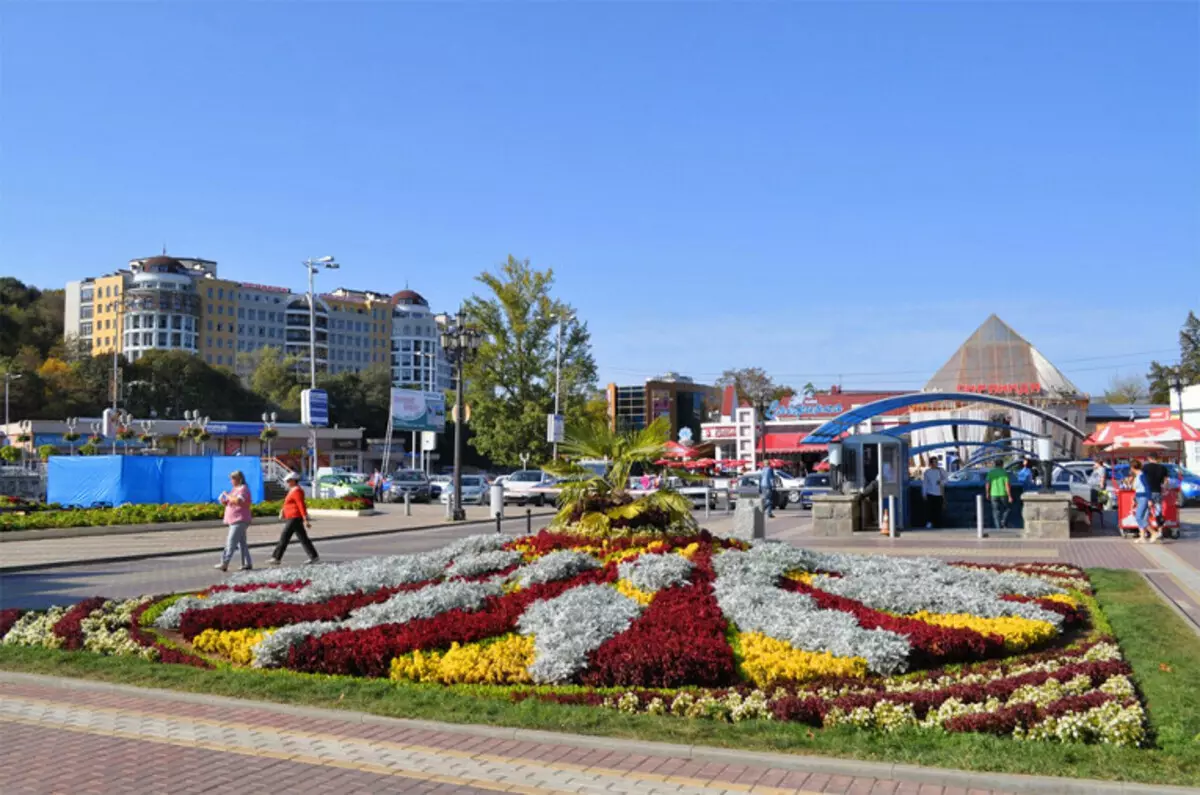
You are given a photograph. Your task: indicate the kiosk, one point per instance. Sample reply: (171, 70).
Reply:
(876, 465)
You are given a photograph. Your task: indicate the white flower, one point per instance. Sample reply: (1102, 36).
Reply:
(568, 627)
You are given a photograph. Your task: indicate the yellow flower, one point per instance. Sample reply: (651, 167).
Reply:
(690, 550)
(1066, 599)
(497, 661)
(627, 588)
(236, 645)
(805, 577)
(1018, 633)
(766, 662)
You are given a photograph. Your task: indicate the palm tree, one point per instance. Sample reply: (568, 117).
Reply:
(602, 504)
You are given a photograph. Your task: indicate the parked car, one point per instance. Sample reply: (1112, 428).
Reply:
(814, 484)
(411, 482)
(343, 486)
(521, 487)
(475, 490)
(748, 486)
(792, 485)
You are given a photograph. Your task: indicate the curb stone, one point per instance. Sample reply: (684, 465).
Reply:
(966, 779)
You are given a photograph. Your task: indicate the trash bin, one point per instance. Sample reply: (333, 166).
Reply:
(497, 500)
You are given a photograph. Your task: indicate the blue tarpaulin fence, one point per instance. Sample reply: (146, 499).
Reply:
(118, 479)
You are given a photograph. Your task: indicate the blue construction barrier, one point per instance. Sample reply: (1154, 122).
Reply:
(118, 479)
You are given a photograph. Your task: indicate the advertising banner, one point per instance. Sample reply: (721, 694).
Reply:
(414, 410)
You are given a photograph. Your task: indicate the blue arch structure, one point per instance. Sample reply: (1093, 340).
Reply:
(901, 430)
(928, 448)
(830, 431)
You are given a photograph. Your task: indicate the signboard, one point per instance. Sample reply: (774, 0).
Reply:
(710, 432)
(428, 441)
(789, 407)
(314, 407)
(345, 444)
(1001, 389)
(414, 410)
(554, 428)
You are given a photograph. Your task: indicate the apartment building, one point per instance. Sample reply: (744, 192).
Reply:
(171, 303)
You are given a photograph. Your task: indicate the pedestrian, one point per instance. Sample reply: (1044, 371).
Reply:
(766, 487)
(237, 516)
(1156, 475)
(1098, 482)
(1000, 493)
(377, 485)
(1141, 502)
(932, 483)
(295, 515)
(1026, 477)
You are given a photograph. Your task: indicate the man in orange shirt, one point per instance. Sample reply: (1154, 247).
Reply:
(295, 513)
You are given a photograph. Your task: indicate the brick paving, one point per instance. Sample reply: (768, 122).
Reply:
(78, 737)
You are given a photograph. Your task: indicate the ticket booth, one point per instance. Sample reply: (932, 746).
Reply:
(877, 466)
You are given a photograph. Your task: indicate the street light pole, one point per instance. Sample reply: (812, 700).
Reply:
(562, 316)
(458, 341)
(313, 265)
(9, 378)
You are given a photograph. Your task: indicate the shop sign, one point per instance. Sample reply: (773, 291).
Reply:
(345, 444)
(709, 432)
(783, 409)
(1001, 389)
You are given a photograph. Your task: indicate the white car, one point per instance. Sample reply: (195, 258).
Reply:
(789, 483)
(520, 486)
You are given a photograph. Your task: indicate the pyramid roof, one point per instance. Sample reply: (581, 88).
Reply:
(998, 360)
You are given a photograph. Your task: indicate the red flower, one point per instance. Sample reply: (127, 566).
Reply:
(166, 654)
(70, 628)
(8, 618)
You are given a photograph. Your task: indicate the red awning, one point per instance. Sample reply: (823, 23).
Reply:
(792, 443)
(1164, 430)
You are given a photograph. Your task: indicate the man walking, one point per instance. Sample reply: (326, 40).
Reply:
(766, 487)
(1156, 475)
(931, 488)
(1000, 493)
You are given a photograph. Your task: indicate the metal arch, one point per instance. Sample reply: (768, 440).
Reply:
(901, 430)
(925, 448)
(830, 431)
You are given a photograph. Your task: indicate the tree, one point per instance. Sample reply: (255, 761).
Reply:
(510, 382)
(360, 400)
(29, 317)
(753, 385)
(168, 383)
(1188, 367)
(1126, 389)
(273, 378)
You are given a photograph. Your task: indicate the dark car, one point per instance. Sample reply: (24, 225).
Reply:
(814, 484)
(410, 482)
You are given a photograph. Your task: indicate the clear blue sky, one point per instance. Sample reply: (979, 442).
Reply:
(816, 188)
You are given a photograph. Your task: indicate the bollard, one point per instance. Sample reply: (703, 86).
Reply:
(729, 501)
(893, 530)
(979, 517)
(449, 507)
(498, 519)
(528, 521)
(407, 505)
(707, 501)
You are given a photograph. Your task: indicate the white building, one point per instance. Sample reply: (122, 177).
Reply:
(1191, 415)
(417, 357)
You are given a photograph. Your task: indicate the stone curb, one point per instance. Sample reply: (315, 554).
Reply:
(257, 545)
(157, 527)
(966, 779)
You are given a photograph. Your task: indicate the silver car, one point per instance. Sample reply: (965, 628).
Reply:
(475, 490)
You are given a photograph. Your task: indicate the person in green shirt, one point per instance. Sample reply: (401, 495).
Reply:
(1000, 493)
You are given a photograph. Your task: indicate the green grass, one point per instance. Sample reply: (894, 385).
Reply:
(1151, 636)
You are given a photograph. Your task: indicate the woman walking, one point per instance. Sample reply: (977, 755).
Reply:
(295, 513)
(1141, 500)
(237, 516)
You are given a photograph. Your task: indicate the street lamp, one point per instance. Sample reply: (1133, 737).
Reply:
(459, 342)
(432, 357)
(268, 432)
(1177, 385)
(70, 435)
(562, 318)
(8, 378)
(313, 265)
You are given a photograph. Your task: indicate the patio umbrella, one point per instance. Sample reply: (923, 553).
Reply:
(822, 466)
(777, 462)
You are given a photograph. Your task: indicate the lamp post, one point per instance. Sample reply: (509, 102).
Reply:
(562, 318)
(432, 358)
(1177, 385)
(459, 341)
(147, 428)
(268, 419)
(8, 379)
(70, 435)
(313, 265)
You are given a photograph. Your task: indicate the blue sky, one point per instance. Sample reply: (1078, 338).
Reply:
(814, 188)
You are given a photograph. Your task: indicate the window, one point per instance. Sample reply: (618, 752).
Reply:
(210, 325)
(220, 310)
(221, 293)
(220, 342)
(208, 356)
(210, 295)
(262, 332)
(220, 359)
(162, 339)
(176, 340)
(147, 339)
(162, 321)
(241, 312)
(270, 332)
(262, 314)
(256, 297)
(209, 342)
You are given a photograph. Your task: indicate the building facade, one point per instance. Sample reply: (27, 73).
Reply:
(683, 402)
(173, 303)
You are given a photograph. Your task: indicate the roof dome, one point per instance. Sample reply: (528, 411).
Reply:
(162, 263)
(409, 297)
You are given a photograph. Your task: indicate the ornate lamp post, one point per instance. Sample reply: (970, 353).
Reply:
(460, 342)
(268, 431)
(147, 436)
(70, 437)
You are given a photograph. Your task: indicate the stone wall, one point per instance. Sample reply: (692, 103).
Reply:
(836, 514)
(1047, 515)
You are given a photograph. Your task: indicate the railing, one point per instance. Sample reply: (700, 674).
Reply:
(274, 470)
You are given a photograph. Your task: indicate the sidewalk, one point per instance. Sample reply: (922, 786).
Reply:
(57, 729)
(26, 555)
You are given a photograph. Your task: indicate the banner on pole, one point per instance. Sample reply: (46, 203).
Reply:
(414, 410)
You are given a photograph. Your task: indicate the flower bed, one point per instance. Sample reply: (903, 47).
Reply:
(691, 626)
(51, 517)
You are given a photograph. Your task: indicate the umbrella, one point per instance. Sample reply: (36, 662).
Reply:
(777, 462)
(822, 466)
(1125, 445)
(1163, 430)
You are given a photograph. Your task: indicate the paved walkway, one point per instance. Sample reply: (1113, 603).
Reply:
(55, 731)
(27, 554)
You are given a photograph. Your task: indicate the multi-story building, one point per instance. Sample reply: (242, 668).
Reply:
(683, 402)
(171, 303)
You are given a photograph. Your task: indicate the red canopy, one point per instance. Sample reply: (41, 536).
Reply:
(822, 466)
(1161, 430)
(677, 450)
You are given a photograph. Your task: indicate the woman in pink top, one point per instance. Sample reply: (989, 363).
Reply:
(237, 516)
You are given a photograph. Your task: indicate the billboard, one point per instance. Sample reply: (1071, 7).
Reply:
(414, 410)
(314, 407)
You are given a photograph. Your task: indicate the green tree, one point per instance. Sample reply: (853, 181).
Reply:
(29, 317)
(168, 383)
(1188, 365)
(1126, 389)
(752, 385)
(360, 400)
(273, 378)
(510, 382)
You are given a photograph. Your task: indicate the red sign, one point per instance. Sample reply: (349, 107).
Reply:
(1160, 414)
(1001, 389)
(718, 432)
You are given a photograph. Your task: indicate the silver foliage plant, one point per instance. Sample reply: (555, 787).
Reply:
(652, 573)
(557, 565)
(475, 563)
(566, 628)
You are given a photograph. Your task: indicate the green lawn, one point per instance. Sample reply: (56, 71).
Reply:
(1163, 650)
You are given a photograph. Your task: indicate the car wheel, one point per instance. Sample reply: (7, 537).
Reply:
(539, 501)
(793, 497)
